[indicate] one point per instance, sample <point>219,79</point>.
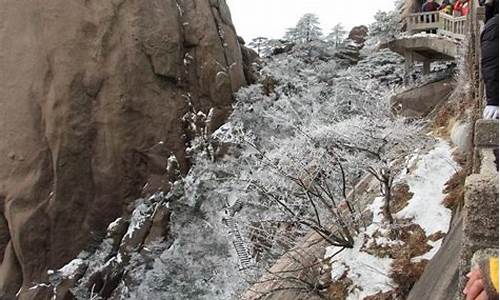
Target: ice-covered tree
<point>386,25</point>
<point>337,35</point>
<point>260,44</point>
<point>303,146</point>
<point>307,29</point>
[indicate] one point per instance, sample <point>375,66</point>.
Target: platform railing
<point>422,21</point>
<point>437,22</point>
<point>454,27</point>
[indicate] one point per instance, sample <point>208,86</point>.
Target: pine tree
<point>260,44</point>
<point>337,35</point>
<point>306,30</point>
<point>386,25</point>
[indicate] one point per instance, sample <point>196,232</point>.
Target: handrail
<point>437,22</point>
<point>422,21</point>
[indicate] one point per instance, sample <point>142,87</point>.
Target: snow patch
<point>427,183</point>
<point>376,208</point>
<point>112,226</point>
<point>368,273</point>
<point>36,286</point>
<point>429,255</point>
<point>339,271</point>
<point>69,270</point>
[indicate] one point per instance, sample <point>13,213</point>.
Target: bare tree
<point>386,179</point>
<point>313,192</point>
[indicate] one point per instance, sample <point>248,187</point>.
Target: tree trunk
<point>386,209</point>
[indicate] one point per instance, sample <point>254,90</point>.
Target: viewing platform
<point>430,37</point>
<point>437,22</point>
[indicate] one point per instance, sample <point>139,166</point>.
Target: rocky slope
<point>92,94</point>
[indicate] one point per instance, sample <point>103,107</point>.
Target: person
<point>430,5</point>
<point>465,8</point>
<point>446,7</point>
<point>483,281</point>
<point>491,8</point>
<point>461,8</point>
<point>489,60</point>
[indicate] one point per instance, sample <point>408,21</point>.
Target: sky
<point>271,18</point>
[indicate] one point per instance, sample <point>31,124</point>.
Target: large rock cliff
<point>92,95</point>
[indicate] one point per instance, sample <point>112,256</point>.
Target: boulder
<point>358,34</point>
<point>160,225</point>
<point>420,101</point>
<point>348,53</point>
<point>87,89</point>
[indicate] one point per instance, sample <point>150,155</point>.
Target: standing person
<point>491,8</point>
<point>489,60</point>
<point>457,8</point>
<point>430,5</point>
<point>446,7</point>
<point>465,8</point>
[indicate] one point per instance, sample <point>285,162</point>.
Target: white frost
<point>139,216</point>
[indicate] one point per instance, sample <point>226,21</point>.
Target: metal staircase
<point>244,257</point>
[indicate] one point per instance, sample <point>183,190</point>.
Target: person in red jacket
<point>457,8</point>
<point>465,7</point>
<point>461,8</point>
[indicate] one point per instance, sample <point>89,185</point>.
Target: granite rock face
<point>359,34</point>
<point>92,97</point>
<point>420,101</point>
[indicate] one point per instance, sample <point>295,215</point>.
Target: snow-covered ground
<point>427,183</point>
<point>369,273</point>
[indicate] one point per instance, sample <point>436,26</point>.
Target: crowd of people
<point>455,8</point>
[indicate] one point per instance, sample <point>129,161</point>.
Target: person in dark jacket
<point>430,5</point>
<point>491,8</point>
<point>489,60</point>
